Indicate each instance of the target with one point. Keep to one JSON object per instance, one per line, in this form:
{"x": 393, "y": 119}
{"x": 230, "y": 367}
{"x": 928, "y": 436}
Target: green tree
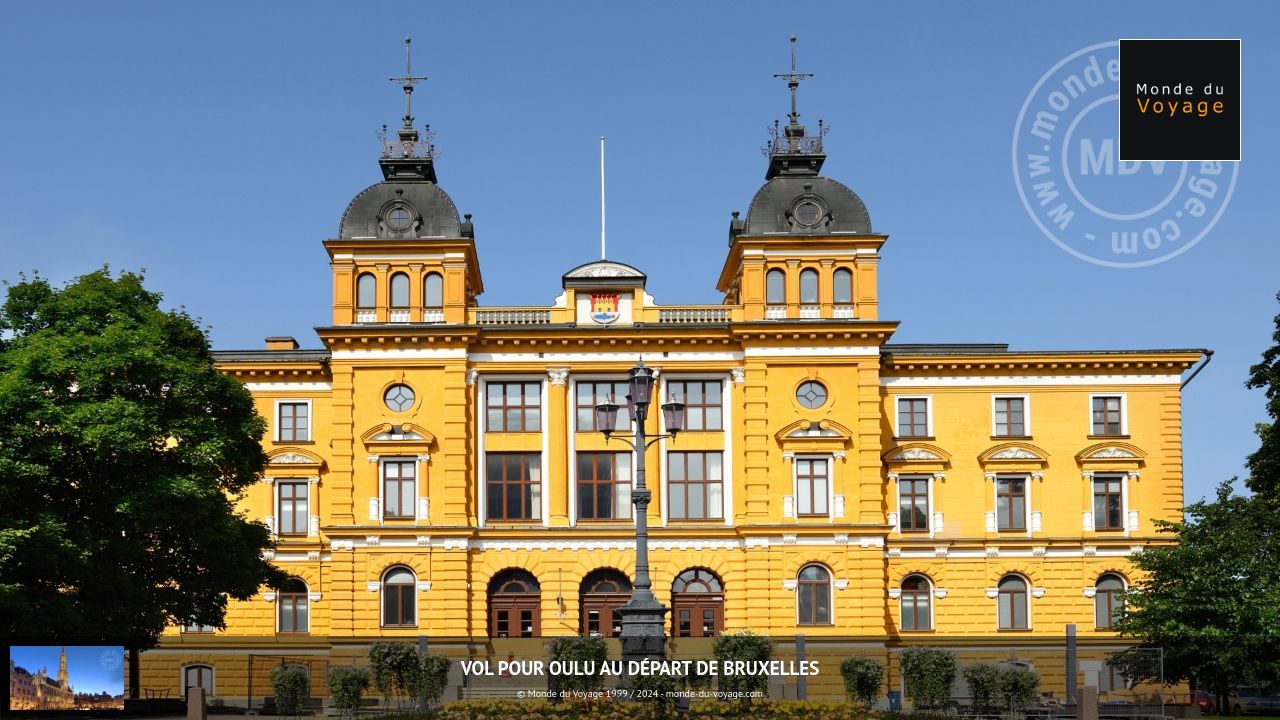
{"x": 1212, "y": 599}
{"x": 863, "y": 678}
{"x": 122, "y": 451}
{"x": 929, "y": 673}
{"x": 1264, "y": 463}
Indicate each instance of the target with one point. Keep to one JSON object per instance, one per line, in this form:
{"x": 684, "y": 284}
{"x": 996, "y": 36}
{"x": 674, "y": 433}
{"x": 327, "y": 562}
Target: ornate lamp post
{"x": 643, "y": 635}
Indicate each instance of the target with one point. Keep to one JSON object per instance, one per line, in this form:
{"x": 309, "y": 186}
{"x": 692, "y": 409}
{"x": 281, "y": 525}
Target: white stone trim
{"x": 400, "y": 354}
{"x": 1028, "y": 381}
{"x": 288, "y": 386}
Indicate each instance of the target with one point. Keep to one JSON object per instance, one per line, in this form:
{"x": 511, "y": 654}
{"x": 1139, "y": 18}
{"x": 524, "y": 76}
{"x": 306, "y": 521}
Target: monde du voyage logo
{"x": 1105, "y": 197}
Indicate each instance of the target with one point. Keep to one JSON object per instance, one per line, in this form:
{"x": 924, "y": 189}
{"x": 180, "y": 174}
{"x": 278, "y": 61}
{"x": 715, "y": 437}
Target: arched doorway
{"x": 515, "y": 605}
{"x": 697, "y": 604}
{"x": 603, "y": 591}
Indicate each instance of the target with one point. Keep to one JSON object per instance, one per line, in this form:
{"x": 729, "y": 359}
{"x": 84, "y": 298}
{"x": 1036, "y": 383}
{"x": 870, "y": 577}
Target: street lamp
{"x": 643, "y": 634}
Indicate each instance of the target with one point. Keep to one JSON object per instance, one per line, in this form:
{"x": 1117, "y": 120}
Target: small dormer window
{"x": 399, "y": 218}
{"x": 808, "y": 213}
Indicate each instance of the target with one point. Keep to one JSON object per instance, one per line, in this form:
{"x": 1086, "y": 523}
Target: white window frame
{"x": 310, "y": 417}
{"x": 1026, "y": 501}
{"x": 831, "y": 594}
{"x": 928, "y": 581}
{"x": 382, "y": 487}
{"x": 1124, "y": 412}
{"x": 928, "y": 415}
{"x": 308, "y": 596}
{"x": 931, "y": 530}
{"x": 1030, "y": 596}
{"x": 482, "y": 421}
{"x": 1026, "y": 413}
{"x": 726, "y": 432}
{"x": 182, "y": 679}
{"x": 1124, "y": 587}
{"x": 275, "y": 502}
{"x": 1124, "y": 500}
{"x": 795, "y": 484}
{"x": 571, "y": 427}
{"x": 382, "y": 605}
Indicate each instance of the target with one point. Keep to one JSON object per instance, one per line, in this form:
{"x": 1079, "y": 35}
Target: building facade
{"x": 436, "y": 469}
{"x": 39, "y": 690}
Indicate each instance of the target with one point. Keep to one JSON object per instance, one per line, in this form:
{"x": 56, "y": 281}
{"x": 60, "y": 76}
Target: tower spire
{"x": 407, "y": 81}
{"x": 793, "y": 79}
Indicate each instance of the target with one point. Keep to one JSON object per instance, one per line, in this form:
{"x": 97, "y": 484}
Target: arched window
{"x": 366, "y": 291}
{"x": 809, "y": 287}
{"x": 197, "y": 676}
{"x": 1107, "y": 603}
{"x": 399, "y": 598}
{"x": 433, "y": 291}
{"x": 813, "y": 596}
{"x": 842, "y": 287}
{"x": 515, "y": 605}
{"x": 293, "y": 611}
{"x": 914, "y": 604}
{"x": 1012, "y": 603}
{"x": 602, "y": 592}
{"x": 697, "y": 604}
{"x": 399, "y": 290}
{"x": 775, "y": 287}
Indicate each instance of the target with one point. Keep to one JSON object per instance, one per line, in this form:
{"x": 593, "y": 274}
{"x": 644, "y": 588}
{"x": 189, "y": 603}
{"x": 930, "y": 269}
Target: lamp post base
{"x": 643, "y": 628}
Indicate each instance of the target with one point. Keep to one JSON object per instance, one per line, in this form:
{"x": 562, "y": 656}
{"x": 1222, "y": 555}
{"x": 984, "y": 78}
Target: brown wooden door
{"x": 515, "y": 616}
{"x": 697, "y": 615}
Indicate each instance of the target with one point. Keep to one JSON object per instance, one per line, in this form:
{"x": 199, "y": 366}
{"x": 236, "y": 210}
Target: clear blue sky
{"x": 90, "y": 669}
{"x": 217, "y": 144}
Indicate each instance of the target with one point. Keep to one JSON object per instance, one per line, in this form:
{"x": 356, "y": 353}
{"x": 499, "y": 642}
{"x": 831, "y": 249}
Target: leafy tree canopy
{"x": 1264, "y": 464}
{"x": 122, "y": 450}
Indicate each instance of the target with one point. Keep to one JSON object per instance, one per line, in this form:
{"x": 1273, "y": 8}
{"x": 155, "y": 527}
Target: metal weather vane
{"x": 408, "y": 80}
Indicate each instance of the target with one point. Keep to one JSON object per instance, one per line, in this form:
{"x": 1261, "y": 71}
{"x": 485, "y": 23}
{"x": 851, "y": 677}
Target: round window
{"x": 808, "y": 213}
{"x": 398, "y": 397}
{"x": 399, "y": 218}
{"x": 811, "y": 394}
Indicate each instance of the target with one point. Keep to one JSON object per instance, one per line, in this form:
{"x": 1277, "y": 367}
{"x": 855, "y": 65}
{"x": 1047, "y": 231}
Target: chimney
{"x": 281, "y": 342}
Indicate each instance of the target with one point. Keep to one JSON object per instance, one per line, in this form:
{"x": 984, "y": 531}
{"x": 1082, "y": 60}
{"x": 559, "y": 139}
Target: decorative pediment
{"x": 1112, "y": 455}
{"x": 814, "y": 435}
{"x": 292, "y": 458}
{"x": 404, "y": 435}
{"x": 923, "y": 457}
{"x": 1014, "y": 454}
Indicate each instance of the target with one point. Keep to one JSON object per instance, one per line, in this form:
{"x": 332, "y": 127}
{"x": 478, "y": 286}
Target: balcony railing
{"x": 693, "y": 315}
{"x": 842, "y": 312}
{"x": 775, "y": 312}
{"x": 513, "y": 316}
{"x": 810, "y": 312}
{"x": 400, "y": 316}
{"x": 433, "y": 316}
{"x": 366, "y": 316}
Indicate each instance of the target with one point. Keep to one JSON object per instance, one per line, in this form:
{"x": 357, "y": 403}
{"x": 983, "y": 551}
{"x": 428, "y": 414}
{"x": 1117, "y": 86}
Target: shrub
{"x": 584, "y": 650}
{"x": 291, "y": 685}
{"x": 742, "y": 645}
{"x": 929, "y": 673}
{"x": 1018, "y": 686}
{"x": 399, "y": 671}
{"x": 347, "y": 684}
{"x": 863, "y": 678}
{"x": 983, "y": 680}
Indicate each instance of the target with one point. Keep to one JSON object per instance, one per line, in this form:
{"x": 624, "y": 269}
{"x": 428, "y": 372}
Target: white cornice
{"x": 1025, "y": 380}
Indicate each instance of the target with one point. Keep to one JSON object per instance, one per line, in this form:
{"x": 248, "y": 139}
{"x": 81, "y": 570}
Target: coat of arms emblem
{"x": 604, "y": 307}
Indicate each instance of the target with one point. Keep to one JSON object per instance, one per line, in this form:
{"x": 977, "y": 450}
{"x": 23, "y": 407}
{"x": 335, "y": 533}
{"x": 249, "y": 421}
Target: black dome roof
{"x": 771, "y": 210}
{"x": 432, "y": 213}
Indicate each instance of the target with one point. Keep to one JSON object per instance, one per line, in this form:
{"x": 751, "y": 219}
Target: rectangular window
{"x": 604, "y": 486}
{"x": 913, "y": 417}
{"x": 398, "y": 493}
{"x": 292, "y": 501}
{"x": 812, "y": 483}
{"x": 591, "y": 394}
{"x": 1011, "y": 503}
{"x": 1010, "y": 417}
{"x": 913, "y": 504}
{"x": 1013, "y": 610}
{"x": 1108, "y": 506}
{"x": 695, "y": 486}
{"x": 293, "y": 422}
{"x": 513, "y": 486}
{"x": 1107, "y": 410}
{"x": 702, "y": 403}
{"x": 514, "y": 406}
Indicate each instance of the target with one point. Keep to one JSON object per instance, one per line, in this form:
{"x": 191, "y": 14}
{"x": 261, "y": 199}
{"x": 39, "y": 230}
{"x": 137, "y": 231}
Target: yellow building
{"x": 435, "y": 470}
